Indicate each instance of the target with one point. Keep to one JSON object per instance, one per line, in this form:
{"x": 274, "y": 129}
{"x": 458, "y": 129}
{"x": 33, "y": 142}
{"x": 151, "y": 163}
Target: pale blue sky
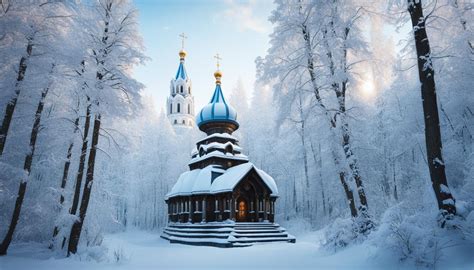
{"x": 237, "y": 30}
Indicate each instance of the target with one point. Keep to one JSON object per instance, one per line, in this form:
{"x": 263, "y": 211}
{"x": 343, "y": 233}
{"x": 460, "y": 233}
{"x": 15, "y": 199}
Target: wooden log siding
{"x": 190, "y": 217}
{"x": 232, "y": 213}
{"x": 264, "y": 204}
{"x": 203, "y": 218}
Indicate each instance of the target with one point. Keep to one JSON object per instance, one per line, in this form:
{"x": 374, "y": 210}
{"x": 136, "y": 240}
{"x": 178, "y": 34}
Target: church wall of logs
{"x": 221, "y": 207}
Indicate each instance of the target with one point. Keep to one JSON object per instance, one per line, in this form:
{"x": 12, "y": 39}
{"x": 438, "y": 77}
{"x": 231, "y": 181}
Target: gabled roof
{"x": 199, "y": 181}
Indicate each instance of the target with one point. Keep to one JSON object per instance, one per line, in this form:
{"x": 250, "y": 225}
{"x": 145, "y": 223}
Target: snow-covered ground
{"x": 145, "y": 250}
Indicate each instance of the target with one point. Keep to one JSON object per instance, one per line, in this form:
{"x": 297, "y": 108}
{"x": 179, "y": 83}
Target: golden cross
{"x": 217, "y": 58}
{"x": 183, "y": 37}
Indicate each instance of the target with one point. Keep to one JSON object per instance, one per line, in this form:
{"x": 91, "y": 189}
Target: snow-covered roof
{"x": 217, "y": 110}
{"x": 216, "y": 145}
{"x": 217, "y": 153}
{"x": 226, "y": 136}
{"x": 199, "y": 181}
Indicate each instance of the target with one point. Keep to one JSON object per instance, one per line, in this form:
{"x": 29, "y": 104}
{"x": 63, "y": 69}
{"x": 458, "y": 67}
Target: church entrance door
{"x": 242, "y": 210}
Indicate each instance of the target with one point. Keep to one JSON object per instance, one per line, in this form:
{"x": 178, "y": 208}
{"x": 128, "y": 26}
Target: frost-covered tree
{"x": 313, "y": 48}
{"x": 32, "y": 85}
{"x": 434, "y": 146}
{"x": 114, "y": 48}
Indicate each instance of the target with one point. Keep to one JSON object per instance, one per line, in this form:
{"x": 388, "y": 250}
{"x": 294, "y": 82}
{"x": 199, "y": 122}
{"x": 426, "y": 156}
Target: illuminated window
{"x": 242, "y": 209}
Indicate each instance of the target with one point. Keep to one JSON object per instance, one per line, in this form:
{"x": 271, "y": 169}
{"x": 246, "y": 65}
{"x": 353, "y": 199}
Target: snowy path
{"x": 145, "y": 250}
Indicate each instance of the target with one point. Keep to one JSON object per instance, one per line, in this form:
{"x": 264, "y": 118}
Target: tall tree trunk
{"x": 365, "y": 223}
{"x": 446, "y": 202}
{"x": 319, "y": 162}
{"x": 332, "y": 122}
{"x": 352, "y": 161}
{"x": 340, "y": 89}
{"x": 351, "y": 158}
{"x": 395, "y": 189}
{"x": 340, "y": 92}
{"x": 7, "y": 118}
{"x": 307, "y": 191}
{"x": 77, "y": 226}
{"x": 303, "y": 141}
{"x": 295, "y": 201}
{"x": 27, "y": 170}
{"x": 80, "y": 171}
{"x": 82, "y": 162}
{"x": 64, "y": 178}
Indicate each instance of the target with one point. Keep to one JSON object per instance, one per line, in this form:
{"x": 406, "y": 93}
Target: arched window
{"x": 189, "y": 90}
{"x": 175, "y": 121}
{"x": 179, "y": 107}
{"x": 171, "y": 108}
{"x": 176, "y": 89}
{"x": 184, "y": 122}
{"x": 181, "y": 89}
{"x": 189, "y": 108}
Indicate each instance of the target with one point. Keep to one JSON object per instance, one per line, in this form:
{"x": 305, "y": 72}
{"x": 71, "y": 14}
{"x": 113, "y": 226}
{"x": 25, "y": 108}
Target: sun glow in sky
{"x": 237, "y": 30}
{"x": 367, "y": 86}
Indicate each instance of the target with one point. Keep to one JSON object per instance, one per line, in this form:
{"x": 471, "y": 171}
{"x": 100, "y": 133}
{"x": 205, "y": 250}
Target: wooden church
{"x": 223, "y": 200}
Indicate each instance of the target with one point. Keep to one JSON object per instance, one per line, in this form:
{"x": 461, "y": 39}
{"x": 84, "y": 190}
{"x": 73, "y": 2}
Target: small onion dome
{"x": 218, "y": 76}
{"x": 182, "y": 54}
{"x": 218, "y": 110}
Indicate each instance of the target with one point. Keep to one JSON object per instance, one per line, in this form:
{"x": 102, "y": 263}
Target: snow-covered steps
{"x": 201, "y": 234}
{"x": 246, "y": 233}
{"x": 226, "y": 234}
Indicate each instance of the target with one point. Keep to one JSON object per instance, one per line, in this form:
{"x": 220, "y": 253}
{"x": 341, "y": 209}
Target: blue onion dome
{"x": 218, "y": 110}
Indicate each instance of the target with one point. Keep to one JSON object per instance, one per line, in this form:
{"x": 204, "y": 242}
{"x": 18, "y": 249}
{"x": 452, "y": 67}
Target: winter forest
{"x": 362, "y": 111}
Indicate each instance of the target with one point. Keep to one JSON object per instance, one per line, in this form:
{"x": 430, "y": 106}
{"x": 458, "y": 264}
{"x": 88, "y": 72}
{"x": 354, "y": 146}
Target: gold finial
{"x": 182, "y": 53}
{"x": 218, "y": 73}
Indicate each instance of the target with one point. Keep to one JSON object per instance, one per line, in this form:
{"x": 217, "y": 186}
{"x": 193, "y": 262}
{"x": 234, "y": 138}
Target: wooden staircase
{"x": 226, "y": 234}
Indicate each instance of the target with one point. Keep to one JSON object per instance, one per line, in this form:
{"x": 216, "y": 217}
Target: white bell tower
{"x": 180, "y": 103}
